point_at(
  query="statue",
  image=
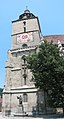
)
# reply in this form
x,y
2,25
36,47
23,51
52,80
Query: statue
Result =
x,y
20,103
20,100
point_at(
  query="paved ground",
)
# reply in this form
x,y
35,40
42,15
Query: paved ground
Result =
x,y
43,117
5,117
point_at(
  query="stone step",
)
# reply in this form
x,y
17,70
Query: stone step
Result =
x,y
20,114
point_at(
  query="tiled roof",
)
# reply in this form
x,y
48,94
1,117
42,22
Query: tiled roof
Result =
x,y
54,38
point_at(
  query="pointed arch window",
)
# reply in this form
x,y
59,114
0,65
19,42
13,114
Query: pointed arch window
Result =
x,y
24,46
25,97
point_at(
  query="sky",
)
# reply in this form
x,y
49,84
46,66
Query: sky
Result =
x,y
49,12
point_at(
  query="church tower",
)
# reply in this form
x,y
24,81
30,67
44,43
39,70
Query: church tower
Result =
x,y
25,40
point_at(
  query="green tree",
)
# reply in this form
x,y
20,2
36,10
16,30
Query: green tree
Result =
x,y
47,67
1,92
56,95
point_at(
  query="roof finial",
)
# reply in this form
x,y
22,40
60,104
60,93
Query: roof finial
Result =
x,y
26,11
26,7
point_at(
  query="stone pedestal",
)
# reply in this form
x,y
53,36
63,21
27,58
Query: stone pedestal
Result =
x,y
20,111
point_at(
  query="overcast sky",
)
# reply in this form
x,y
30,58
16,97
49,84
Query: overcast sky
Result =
x,y
51,17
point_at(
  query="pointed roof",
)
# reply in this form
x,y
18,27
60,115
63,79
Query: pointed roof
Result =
x,y
26,15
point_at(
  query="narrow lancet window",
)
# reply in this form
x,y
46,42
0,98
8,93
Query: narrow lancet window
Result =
x,y
24,26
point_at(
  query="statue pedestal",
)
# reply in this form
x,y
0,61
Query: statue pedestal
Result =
x,y
20,111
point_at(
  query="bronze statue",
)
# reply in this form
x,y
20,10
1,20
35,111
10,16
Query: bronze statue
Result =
x,y
20,100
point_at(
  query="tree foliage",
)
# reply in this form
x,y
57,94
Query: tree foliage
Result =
x,y
1,92
47,67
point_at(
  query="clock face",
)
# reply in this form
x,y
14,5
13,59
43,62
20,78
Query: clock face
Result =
x,y
25,37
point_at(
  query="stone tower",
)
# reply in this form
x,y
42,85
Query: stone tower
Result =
x,y
25,40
